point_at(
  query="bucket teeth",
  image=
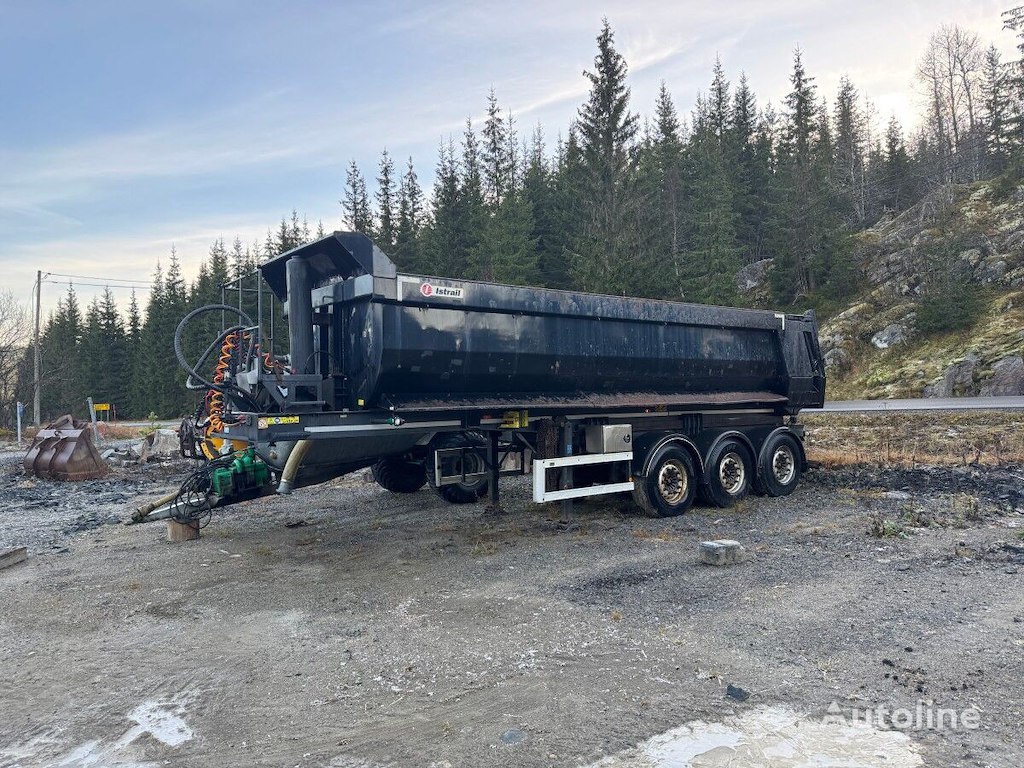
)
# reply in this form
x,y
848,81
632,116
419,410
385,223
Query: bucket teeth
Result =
x,y
63,450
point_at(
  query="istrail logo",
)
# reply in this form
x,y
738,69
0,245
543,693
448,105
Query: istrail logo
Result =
x,y
441,291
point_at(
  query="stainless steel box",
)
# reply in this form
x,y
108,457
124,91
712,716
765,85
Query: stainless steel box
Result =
x,y
609,439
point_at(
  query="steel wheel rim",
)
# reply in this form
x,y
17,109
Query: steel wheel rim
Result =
x,y
783,465
732,473
673,481
467,464
474,464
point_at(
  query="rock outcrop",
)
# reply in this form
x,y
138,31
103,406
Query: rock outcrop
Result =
x,y
753,276
1007,378
873,347
959,380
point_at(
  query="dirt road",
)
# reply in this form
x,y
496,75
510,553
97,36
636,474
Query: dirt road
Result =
x,y
346,626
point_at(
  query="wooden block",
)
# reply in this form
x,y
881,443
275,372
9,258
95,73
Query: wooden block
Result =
x,y
181,531
13,557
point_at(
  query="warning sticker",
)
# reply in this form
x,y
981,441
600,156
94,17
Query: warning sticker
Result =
x,y
276,420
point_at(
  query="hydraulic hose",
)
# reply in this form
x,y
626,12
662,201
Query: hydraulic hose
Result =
x,y
180,330
140,514
291,467
215,344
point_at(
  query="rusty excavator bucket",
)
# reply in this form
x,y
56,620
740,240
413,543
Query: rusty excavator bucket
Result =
x,y
63,450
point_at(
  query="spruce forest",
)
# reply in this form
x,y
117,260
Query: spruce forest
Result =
x,y
625,200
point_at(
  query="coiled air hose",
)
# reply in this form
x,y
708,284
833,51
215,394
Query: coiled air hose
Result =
x,y
180,330
193,374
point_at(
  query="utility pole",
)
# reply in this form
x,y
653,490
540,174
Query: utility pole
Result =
x,y
35,385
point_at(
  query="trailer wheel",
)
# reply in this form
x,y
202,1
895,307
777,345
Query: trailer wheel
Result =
x,y
779,471
729,473
399,475
670,484
459,493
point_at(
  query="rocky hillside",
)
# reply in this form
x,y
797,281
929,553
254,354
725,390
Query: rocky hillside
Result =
x,y
878,347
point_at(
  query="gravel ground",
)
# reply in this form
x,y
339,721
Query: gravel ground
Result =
x,y
40,514
346,626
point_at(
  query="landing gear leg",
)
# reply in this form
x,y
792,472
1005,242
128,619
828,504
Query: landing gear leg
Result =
x,y
566,450
494,467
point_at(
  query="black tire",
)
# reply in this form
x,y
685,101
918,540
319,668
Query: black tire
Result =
x,y
728,474
670,485
778,471
459,493
399,475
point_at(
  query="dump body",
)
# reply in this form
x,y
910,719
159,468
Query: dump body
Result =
x,y
410,341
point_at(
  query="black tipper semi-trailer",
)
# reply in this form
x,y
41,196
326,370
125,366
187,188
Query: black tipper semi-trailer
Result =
x,y
454,382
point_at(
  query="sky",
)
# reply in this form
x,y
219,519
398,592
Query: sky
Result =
x,y
127,128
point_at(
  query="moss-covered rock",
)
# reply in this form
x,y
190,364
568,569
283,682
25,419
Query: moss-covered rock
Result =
x,y
982,232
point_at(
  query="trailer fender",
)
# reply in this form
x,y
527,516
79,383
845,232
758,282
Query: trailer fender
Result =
x,y
712,442
732,434
646,446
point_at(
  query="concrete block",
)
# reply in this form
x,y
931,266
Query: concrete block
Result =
x,y
721,552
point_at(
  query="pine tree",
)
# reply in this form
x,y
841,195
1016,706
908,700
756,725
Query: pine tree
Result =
x,y
103,353
748,155
719,112
506,252
497,165
713,256
549,238
850,152
134,398
356,209
802,114
386,197
661,172
173,396
1013,19
445,251
145,387
997,111
408,252
472,207
807,221
606,252
897,187
60,387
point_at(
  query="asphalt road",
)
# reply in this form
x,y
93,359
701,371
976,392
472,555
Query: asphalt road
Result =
x,y
926,404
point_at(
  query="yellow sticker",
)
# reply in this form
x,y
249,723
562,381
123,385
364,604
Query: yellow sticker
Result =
x,y
285,420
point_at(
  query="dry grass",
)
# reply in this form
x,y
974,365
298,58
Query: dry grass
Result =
x,y
662,535
115,431
481,547
906,440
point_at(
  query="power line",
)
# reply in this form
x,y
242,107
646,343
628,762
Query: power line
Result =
x,y
94,277
140,287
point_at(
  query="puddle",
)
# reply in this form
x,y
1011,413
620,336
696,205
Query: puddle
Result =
x,y
771,737
161,721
